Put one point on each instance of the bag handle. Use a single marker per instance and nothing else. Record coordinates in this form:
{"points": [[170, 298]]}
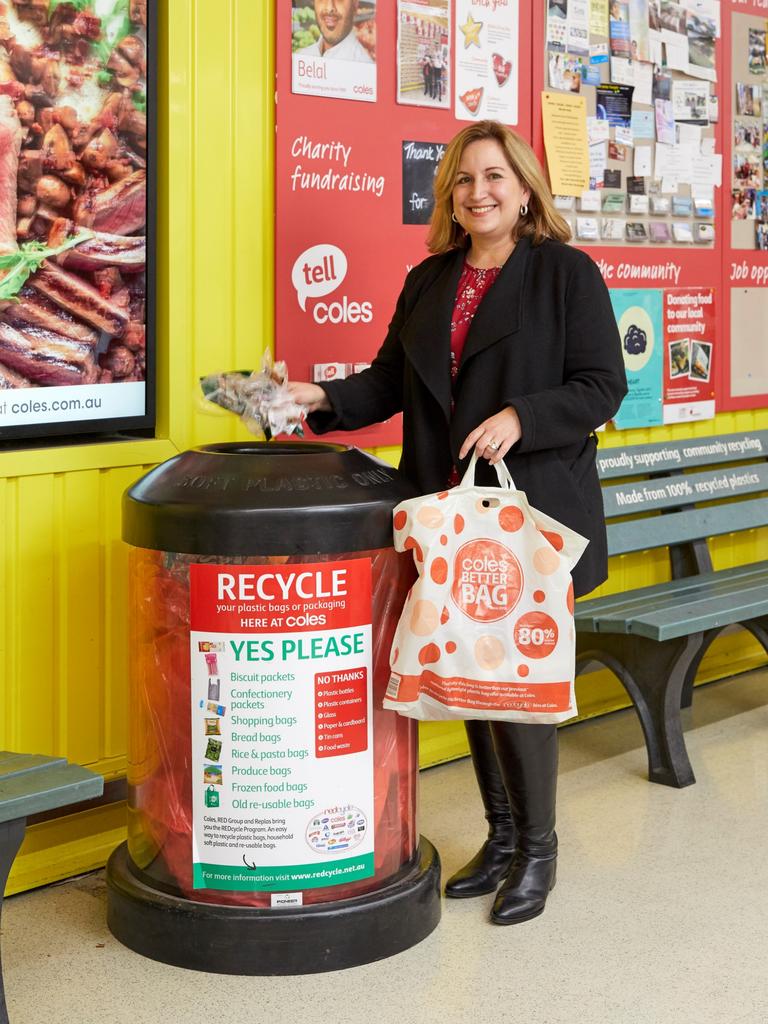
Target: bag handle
{"points": [[502, 472]]}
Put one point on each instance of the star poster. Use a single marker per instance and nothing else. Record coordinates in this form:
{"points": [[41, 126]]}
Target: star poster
{"points": [[486, 65]]}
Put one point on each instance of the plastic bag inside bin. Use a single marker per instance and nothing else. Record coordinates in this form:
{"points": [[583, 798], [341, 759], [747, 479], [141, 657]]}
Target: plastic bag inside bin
{"points": [[159, 775]]}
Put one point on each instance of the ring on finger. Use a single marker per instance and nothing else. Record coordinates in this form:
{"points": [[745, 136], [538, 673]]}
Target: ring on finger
{"points": [[493, 445]]}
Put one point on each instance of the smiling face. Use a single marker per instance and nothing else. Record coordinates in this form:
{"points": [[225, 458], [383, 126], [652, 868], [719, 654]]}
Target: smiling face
{"points": [[335, 19], [487, 194]]}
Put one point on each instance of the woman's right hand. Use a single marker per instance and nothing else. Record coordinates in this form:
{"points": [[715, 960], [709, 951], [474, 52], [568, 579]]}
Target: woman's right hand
{"points": [[311, 396]]}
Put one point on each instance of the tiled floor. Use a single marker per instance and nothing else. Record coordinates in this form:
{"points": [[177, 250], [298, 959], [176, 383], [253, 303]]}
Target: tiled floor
{"points": [[660, 915]]}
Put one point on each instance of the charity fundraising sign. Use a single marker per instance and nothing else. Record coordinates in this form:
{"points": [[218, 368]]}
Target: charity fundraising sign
{"points": [[282, 745]]}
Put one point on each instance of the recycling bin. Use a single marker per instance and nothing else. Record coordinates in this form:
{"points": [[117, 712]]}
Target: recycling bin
{"points": [[272, 801]]}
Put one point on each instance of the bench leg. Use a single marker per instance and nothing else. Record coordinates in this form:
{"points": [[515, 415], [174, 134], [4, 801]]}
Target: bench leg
{"points": [[11, 835], [759, 630], [653, 674], [757, 627], [687, 698]]}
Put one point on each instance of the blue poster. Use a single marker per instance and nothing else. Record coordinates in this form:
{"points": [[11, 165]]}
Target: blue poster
{"points": [[639, 314], [642, 124]]}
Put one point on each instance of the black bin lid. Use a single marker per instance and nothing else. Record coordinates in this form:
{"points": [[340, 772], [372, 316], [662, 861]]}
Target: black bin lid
{"points": [[259, 498]]}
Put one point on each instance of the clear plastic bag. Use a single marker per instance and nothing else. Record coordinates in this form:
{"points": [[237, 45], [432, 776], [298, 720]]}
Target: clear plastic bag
{"points": [[261, 399]]}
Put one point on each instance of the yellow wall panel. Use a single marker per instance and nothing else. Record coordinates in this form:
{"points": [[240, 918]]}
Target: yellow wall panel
{"points": [[210, 210], [6, 572], [67, 846], [33, 616], [79, 615], [253, 185], [216, 245], [8, 567], [115, 709]]}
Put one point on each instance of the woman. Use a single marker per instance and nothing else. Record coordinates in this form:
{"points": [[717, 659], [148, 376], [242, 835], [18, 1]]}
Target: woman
{"points": [[426, 68], [436, 62], [503, 341]]}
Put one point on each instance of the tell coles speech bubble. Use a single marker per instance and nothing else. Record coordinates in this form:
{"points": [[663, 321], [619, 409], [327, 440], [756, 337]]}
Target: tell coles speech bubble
{"points": [[318, 271]]}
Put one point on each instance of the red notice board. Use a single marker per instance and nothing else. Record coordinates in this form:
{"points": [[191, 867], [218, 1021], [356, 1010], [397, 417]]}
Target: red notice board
{"points": [[342, 255], [745, 268]]}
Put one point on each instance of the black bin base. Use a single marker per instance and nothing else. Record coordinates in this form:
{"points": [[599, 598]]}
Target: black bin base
{"points": [[290, 940]]}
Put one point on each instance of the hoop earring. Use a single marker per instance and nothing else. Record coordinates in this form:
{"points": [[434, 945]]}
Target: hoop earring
{"points": [[524, 209], [453, 218]]}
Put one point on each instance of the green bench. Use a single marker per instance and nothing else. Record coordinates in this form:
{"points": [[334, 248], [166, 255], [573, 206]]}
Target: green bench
{"points": [[31, 784], [675, 496]]}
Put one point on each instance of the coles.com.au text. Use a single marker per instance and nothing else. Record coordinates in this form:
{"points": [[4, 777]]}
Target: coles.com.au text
{"points": [[26, 407], [33, 407]]}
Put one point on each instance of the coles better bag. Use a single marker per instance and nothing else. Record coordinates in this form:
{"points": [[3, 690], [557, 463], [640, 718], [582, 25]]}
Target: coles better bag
{"points": [[487, 630]]}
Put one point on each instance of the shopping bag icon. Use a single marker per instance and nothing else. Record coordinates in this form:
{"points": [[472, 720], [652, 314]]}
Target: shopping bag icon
{"points": [[211, 797]]}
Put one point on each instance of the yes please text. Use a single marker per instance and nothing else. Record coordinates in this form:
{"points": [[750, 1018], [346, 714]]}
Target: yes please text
{"points": [[299, 648]]}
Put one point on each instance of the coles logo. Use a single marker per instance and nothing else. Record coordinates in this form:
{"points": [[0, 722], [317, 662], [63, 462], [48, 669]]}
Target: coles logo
{"points": [[317, 272], [487, 580]]}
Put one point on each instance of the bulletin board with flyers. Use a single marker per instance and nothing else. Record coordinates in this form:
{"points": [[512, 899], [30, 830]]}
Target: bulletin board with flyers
{"points": [[671, 101], [357, 151], [648, 76]]}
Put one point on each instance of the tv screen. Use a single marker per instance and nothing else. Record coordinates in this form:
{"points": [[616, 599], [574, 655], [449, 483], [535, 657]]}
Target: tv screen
{"points": [[76, 217]]}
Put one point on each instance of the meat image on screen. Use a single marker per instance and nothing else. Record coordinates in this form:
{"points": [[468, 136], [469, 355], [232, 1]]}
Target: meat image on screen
{"points": [[73, 192]]}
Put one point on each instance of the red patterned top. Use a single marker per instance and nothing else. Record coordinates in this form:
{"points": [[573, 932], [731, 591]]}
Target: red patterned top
{"points": [[473, 284]]}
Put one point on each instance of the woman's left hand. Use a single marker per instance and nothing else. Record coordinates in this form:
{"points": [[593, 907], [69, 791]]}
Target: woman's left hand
{"points": [[494, 437]]}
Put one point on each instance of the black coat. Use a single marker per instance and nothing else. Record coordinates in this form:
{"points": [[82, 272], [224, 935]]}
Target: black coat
{"points": [[544, 340]]}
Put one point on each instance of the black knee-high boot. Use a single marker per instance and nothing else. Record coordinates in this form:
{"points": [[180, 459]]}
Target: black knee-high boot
{"points": [[527, 756], [487, 868]]}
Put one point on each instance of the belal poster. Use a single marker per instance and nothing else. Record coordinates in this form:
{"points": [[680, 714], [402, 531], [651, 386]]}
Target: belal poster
{"points": [[639, 317], [423, 53], [689, 348], [486, 67], [334, 49], [282, 742]]}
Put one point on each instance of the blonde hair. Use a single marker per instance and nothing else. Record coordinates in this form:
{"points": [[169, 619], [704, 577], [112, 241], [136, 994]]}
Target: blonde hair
{"points": [[542, 220]]}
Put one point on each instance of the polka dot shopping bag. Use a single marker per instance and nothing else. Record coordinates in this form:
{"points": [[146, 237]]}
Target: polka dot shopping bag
{"points": [[487, 629]]}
